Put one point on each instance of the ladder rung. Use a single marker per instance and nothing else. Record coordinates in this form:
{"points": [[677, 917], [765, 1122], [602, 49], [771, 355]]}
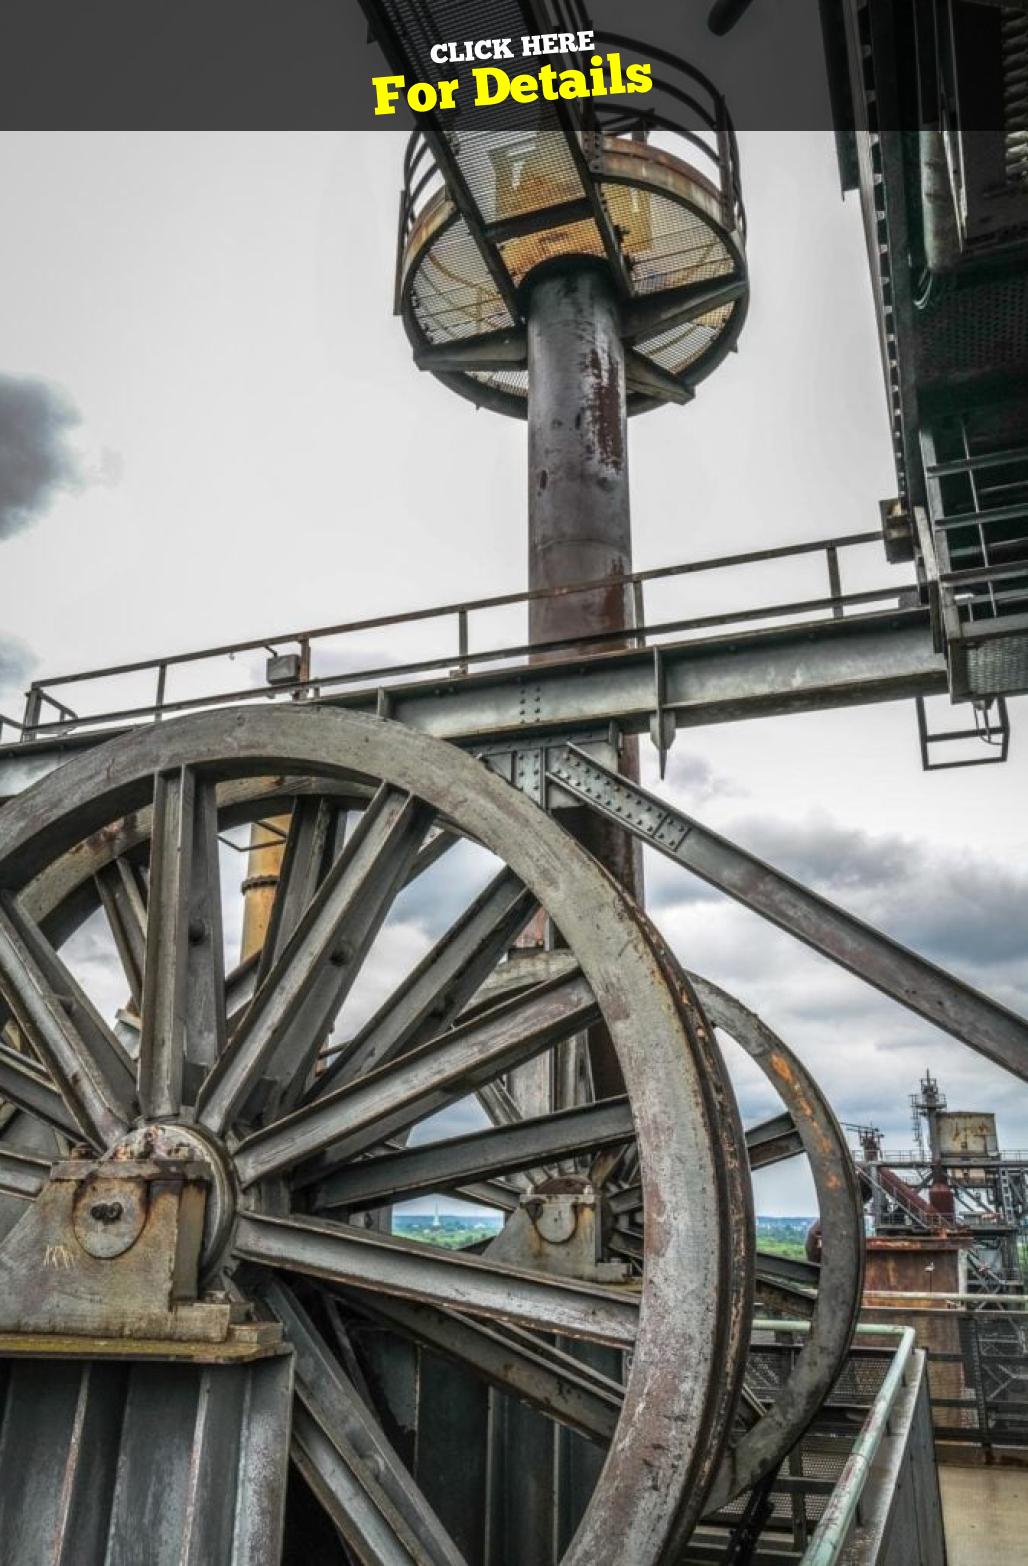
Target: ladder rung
{"points": [[988, 459], [983, 518]]}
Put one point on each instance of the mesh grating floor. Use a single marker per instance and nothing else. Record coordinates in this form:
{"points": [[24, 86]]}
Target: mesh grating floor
{"points": [[668, 243], [453, 294]]}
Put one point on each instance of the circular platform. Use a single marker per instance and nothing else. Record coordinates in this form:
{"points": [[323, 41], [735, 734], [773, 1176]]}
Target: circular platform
{"points": [[671, 224]]}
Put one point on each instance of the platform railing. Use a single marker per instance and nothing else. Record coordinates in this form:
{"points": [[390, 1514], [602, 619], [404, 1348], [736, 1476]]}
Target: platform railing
{"points": [[843, 1514], [300, 662], [683, 104], [861, 1486]]}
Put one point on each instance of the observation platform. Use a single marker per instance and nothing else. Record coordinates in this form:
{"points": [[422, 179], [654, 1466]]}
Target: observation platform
{"points": [[647, 186]]}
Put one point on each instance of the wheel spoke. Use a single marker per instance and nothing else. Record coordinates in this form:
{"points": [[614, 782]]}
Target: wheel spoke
{"points": [[344, 1254], [58, 1020], [122, 894], [183, 1013], [490, 1193], [437, 843], [498, 1102], [293, 1011], [532, 1370], [24, 1083], [787, 1270], [436, 991], [767, 1143], [344, 1453], [240, 983], [441, 1071], [772, 1141], [440, 1165], [308, 854], [21, 1174], [627, 1202]]}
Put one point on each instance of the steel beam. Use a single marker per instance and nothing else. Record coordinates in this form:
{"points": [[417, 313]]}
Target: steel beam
{"points": [[294, 1011], [988, 1027], [344, 1453], [434, 993], [24, 1083], [67, 1034], [531, 1369], [344, 1254], [22, 1174], [803, 667], [370, 1109], [457, 1160], [772, 1141]]}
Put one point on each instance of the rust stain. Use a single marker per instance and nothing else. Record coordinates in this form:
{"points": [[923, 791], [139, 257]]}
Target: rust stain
{"points": [[610, 435]]}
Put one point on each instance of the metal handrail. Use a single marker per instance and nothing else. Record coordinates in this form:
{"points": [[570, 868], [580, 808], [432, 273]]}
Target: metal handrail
{"points": [[725, 155], [831, 1535], [902, 1156], [637, 632], [708, 106]]}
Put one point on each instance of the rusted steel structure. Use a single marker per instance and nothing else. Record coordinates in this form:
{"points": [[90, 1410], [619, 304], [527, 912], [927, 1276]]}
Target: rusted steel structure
{"points": [[200, 1281]]}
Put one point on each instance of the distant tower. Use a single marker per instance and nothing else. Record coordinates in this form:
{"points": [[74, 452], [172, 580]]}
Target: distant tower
{"points": [[925, 1107]]}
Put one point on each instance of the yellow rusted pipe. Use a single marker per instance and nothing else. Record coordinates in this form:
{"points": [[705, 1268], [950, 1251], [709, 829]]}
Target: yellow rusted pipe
{"points": [[263, 867]]}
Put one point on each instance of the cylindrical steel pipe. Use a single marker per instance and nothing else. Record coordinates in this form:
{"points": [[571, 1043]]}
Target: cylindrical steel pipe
{"points": [[263, 865], [579, 514], [579, 517]]}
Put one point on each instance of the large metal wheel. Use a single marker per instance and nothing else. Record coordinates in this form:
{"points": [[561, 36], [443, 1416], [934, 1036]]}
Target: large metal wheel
{"points": [[284, 1143], [771, 1421]]}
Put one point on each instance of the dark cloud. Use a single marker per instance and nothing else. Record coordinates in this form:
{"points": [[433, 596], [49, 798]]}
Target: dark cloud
{"points": [[35, 459], [952, 906], [16, 661], [824, 854]]}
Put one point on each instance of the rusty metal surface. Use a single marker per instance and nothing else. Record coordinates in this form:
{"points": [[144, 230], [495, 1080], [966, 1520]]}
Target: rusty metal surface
{"points": [[691, 1149], [839, 1277], [579, 515], [79, 1483]]}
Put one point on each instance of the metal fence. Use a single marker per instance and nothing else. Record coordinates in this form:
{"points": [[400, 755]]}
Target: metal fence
{"points": [[977, 1371], [456, 639], [861, 1487]]}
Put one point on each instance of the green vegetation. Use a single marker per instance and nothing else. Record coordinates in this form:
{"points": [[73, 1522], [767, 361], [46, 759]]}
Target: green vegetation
{"points": [[451, 1230], [784, 1236], [781, 1236]]}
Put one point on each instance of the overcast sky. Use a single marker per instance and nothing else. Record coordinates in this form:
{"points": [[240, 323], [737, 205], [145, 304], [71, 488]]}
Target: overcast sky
{"points": [[256, 451]]}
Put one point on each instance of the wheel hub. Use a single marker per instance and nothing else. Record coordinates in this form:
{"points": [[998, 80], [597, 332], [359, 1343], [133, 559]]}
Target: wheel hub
{"points": [[182, 1147]]}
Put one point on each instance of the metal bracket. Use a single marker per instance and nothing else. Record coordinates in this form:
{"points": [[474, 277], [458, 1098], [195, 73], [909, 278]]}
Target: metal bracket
{"points": [[110, 1250], [557, 1229], [663, 722], [991, 733], [529, 768], [590, 783]]}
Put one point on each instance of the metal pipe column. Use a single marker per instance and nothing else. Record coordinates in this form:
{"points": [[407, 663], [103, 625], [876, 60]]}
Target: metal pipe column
{"points": [[579, 514]]}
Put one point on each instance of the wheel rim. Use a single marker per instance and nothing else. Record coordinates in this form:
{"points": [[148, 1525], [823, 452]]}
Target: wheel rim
{"points": [[694, 1304]]}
